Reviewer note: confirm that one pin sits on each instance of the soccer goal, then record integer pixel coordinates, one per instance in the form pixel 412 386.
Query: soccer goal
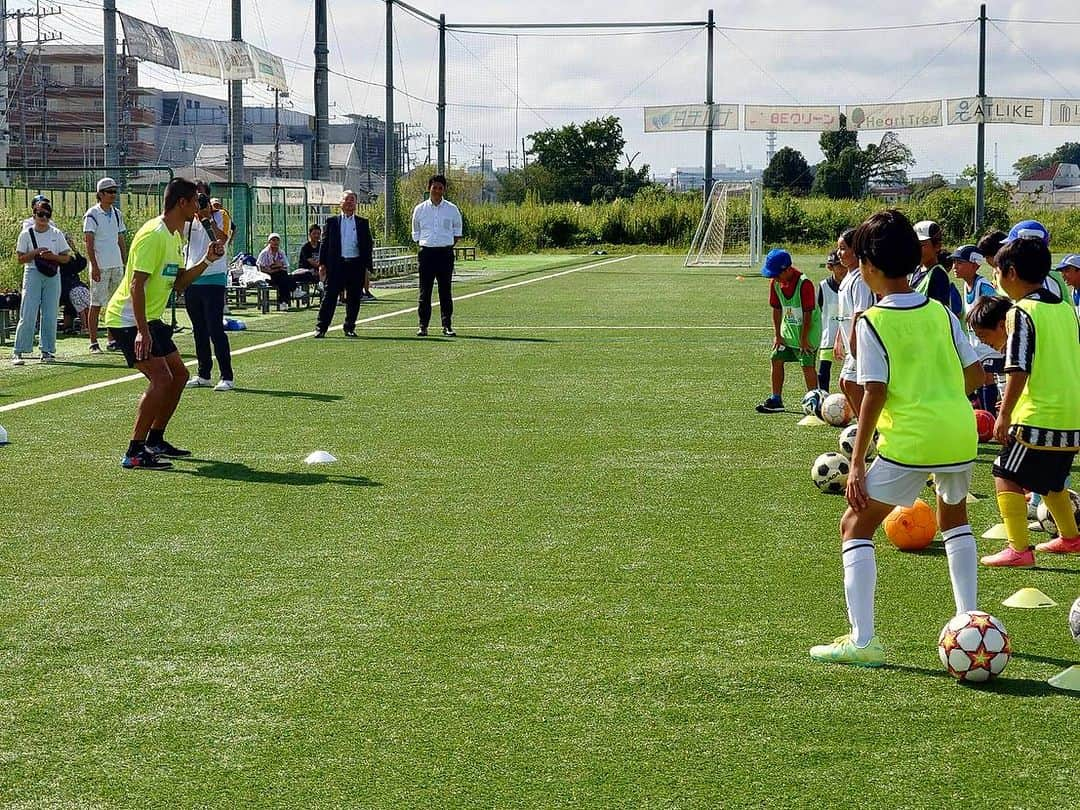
pixel 729 234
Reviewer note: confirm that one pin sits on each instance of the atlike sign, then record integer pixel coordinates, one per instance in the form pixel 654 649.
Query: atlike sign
pixel 690 117
pixel 989 110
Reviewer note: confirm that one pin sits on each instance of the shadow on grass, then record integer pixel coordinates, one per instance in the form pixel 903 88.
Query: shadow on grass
pixel 236 471
pixel 1009 687
pixel 436 338
pixel 1044 659
pixel 311 395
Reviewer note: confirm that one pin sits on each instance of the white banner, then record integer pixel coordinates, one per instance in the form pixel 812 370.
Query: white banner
pixel 688 117
pixel 269 68
pixel 894 116
pixel 1064 113
pixel 197 55
pixel 998 110
pixel 150 42
pixel 791 119
pixel 236 63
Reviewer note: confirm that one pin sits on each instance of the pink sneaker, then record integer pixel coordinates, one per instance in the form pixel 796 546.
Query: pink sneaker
pixel 1061 545
pixel 1010 558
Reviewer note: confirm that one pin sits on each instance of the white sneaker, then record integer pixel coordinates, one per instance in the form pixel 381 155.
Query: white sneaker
pixel 282 307
pixel 225 385
pixel 17 360
pixel 298 294
pixel 198 382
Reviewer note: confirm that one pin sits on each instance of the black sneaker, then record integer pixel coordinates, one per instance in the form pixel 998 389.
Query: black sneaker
pixel 164 448
pixel 772 404
pixel 111 346
pixel 448 332
pixel 144 461
pixel 350 333
pixel 319 333
pixel 421 332
pixel 367 296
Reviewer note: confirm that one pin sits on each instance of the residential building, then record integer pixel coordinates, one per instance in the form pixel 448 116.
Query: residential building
pixel 1048 180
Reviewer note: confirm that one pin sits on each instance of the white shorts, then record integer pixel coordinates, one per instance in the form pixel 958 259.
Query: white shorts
pixel 102 291
pixel 900 486
pixel 848 371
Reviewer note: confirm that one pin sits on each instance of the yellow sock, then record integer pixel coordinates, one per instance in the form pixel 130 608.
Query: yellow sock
pixel 1013 509
pixel 1061 508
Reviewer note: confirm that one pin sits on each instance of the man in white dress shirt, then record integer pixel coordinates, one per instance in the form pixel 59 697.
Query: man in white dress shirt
pixel 436 227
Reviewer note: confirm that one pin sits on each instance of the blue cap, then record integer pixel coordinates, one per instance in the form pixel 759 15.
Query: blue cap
pixel 1028 229
pixel 776 262
pixel 967 253
pixel 1072 261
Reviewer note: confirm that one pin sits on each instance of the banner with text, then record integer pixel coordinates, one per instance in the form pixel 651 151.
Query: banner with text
pixel 758 117
pixel 1064 112
pixel 689 117
pixel 269 68
pixel 995 110
pixel 197 55
pixel 894 116
pixel 236 64
pixel 148 41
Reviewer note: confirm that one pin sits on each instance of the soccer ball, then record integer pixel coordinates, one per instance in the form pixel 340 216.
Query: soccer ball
pixel 830 472
pixel 835 410
pixel 1046 520
pixel 811 403
pixel 974 647
pixel 1074 620
pixel 847 442
pixel 911 528
pixel 984 423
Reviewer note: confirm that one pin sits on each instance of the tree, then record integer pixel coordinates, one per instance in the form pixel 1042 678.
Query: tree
pixel 580 159
pixel 1068 152
pixel 788 171
pixel 833 143
pixel 887 161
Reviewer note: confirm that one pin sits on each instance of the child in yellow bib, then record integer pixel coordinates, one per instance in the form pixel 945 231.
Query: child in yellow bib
pixel 1038 423
pixel 916 367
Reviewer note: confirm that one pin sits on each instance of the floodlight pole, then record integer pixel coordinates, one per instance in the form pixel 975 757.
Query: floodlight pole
pixel 442 94
pixel 980 161
pixel 236 107
pixel 389 161
pixel 711 27
pixel 320 169
pixel 110 101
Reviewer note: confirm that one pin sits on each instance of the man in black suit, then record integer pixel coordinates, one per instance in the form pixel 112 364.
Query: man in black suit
pixel 346 257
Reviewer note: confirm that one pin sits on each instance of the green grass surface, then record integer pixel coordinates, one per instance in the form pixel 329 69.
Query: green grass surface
pixel 554 566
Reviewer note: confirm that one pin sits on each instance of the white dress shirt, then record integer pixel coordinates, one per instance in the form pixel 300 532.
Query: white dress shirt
pixel 436 225
pixel 350 246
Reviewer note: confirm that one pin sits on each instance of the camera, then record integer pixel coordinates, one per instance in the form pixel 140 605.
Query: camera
pixel 204 201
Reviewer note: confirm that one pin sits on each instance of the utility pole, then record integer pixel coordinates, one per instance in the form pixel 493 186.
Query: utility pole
pixel 321 167
pixel 236 108
pixel 483 172
pixel 442 147
pixel 4 139
pixel 23 91
pixel 429 149
pixel 110 100
pixel 389 163
pixel 980 160
pixel 709 107
pixel 276 172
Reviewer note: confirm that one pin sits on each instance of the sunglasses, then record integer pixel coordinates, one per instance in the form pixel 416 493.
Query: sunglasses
pixel 43 214
pixel 108 191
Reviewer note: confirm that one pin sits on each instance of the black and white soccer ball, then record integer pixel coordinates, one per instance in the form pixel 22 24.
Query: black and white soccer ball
pixel 811 402
pixel 829 472
pixel 1046 520
pixel 847 442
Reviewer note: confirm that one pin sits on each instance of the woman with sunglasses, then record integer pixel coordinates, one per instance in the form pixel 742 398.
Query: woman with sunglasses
pixel 42 248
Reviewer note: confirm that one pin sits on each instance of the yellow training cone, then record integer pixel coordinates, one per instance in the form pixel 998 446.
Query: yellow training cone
pixel 1068 680
pixel 972 499
pixel 996 532
pixel 1029 598
pixel 811 421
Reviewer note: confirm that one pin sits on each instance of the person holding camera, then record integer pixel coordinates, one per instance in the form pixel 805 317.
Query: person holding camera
pixel 205 298
pixel 42 248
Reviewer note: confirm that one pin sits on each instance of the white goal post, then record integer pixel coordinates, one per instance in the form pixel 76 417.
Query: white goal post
pixel 729 234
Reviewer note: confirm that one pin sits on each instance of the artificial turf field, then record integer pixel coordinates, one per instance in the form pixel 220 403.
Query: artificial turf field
pixel 560 562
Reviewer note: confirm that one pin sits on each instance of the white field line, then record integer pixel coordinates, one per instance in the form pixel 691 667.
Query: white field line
pixel 626 327
pixel 26 403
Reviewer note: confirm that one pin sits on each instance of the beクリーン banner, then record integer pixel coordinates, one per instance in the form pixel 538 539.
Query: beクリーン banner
pixel 758 117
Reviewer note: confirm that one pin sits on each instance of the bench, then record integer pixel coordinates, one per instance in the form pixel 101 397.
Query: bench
pixel 7 325
pixel 465 252
pixel 394 260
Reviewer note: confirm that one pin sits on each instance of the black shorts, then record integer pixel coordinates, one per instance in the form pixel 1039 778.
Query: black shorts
pixel 161 342
pixel 995 365
pixel 1034 468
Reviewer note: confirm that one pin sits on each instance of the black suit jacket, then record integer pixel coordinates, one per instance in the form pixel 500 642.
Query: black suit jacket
pixel 331 245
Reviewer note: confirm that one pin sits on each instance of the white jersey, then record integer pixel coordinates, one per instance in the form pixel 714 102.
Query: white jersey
pixel 854 297
pixel 829 304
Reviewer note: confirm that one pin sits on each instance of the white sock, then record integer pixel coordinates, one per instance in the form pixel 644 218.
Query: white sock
pixel 860 579
pixel 963 566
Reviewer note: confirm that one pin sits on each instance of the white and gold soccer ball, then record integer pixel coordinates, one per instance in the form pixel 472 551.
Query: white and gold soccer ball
pixel 835 410
pixel 974 647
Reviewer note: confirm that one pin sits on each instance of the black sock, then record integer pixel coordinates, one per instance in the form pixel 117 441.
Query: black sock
pixel 155 436
pixel 135 446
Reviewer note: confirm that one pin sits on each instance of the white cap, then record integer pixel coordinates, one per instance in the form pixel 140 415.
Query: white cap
pixel 924 230
pixel 106 182
pixel 215 201
pixel 3 435
pixel 273 236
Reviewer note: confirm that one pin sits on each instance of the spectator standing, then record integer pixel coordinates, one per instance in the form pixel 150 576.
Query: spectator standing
pixel 346 258
pixel 42 248
pixel 436 227
pixel 205 298
pixel 104 235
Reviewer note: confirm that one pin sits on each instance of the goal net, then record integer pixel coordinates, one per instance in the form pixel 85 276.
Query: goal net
pixel 729 233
